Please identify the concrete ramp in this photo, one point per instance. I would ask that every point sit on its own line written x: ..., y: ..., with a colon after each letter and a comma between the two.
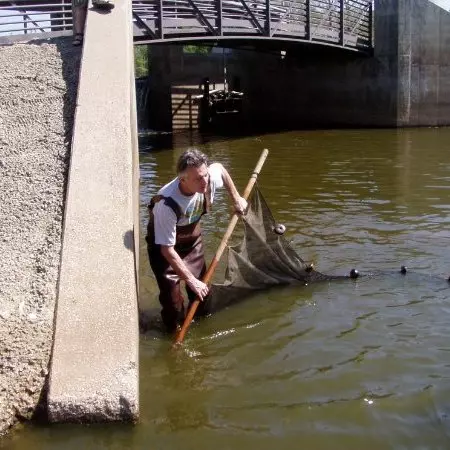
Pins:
x: 94, y: 368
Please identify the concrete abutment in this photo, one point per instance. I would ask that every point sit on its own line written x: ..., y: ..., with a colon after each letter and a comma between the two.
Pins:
x: 94, y: 368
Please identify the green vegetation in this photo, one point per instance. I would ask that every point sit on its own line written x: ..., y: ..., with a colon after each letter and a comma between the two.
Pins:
x: 197, y: 49
x: 141, y: 60
x: 141, y: 56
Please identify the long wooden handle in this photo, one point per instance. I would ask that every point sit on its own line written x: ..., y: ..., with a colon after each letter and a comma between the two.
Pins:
x: 212, y: 267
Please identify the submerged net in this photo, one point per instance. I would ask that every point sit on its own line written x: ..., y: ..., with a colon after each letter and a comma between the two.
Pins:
x: 262, y: 259
x: 265, y: 259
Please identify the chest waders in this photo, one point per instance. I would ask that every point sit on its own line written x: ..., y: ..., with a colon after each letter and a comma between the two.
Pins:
x: 189, y: 246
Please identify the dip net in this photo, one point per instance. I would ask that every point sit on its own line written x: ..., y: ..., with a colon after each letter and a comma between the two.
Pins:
x: 263, y: 259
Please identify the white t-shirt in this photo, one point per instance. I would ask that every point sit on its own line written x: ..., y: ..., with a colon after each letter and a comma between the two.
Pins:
x: 191, y: 206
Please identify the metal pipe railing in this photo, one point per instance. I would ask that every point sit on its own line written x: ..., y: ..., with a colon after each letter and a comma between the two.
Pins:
x: 347, y: 23
x: 36, y: 17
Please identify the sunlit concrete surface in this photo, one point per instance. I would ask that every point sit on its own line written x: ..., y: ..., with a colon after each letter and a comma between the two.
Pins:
x: 94, y: 368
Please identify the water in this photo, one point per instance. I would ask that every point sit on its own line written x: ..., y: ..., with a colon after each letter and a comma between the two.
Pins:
x: 346, y: 365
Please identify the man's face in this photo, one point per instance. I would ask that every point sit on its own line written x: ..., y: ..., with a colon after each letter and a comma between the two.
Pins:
x: 194, y: 179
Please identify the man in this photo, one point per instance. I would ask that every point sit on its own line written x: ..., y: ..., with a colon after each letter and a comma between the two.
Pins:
x: 174, y: 239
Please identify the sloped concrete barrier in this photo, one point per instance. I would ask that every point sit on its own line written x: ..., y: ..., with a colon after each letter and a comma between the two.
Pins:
x: 94, y: 368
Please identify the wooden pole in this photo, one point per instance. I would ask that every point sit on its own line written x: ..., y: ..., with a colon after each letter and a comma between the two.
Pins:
x: 212, y: 267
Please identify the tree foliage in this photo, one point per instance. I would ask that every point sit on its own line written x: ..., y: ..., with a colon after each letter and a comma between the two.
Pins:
x: 141, y: 60
x: 197, y: 49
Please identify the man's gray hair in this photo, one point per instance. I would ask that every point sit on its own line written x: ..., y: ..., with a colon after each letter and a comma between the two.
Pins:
x: 191, y: 158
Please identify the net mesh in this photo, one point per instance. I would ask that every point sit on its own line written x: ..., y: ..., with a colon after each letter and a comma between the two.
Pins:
x: 261, y: 260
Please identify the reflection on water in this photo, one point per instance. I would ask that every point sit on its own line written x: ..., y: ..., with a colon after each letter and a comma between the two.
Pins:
x: 352, y: 364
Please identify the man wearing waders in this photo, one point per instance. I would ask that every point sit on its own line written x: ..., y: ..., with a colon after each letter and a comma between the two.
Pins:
x: 174, y: 239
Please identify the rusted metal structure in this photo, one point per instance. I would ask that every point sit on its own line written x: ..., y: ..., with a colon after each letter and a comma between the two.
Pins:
x: 341, y: 23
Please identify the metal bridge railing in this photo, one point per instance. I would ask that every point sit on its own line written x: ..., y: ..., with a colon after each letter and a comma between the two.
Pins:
x: 346, y: 23
x: 25, y: 16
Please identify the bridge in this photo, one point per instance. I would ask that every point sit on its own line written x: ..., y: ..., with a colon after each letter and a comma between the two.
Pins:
x: 341, y: 23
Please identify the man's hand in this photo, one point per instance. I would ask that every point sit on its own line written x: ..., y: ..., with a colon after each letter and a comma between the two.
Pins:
x: 200, y: 289
x: 240, y: 205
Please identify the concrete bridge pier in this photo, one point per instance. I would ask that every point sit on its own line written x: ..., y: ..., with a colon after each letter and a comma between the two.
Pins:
x: 423, y: 63
x: 164, y: 60
x: 94, y: 367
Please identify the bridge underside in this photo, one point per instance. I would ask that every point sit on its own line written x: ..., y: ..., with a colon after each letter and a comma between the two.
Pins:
x: 261, y: 44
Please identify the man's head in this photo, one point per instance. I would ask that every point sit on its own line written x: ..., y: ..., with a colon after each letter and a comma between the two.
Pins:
x: 192, y: 169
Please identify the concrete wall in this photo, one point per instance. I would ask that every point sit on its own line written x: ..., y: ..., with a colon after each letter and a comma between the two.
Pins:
x: 94, y: 368
x: 424, y: 69
x: 406, y: 82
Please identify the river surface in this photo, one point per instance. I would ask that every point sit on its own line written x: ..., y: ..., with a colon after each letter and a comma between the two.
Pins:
x: 359, y: 364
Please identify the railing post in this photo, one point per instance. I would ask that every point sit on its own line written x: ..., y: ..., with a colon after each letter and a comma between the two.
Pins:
x: 67, y: 12
x: 308, y: 20
x: 219, y: 17
x: 161, y: 19
x: 371, y: 24
x: 341, y: 22
x: 268, y: 24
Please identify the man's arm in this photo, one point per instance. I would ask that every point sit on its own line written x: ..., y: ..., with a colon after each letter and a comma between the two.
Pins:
x: 165, y: 221
x: 239, y: 203
x: 173, y: 258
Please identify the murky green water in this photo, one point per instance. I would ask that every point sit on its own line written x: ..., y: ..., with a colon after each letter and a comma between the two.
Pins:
x: 348, y: 365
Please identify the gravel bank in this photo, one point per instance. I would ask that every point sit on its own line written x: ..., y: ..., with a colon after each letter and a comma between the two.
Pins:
x: 38, y: 84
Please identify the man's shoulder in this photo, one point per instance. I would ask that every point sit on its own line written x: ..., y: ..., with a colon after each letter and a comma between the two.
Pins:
x: 215, y: 172
x: 165, y: 205
x: 215, y: 168
x: 168, y: 189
